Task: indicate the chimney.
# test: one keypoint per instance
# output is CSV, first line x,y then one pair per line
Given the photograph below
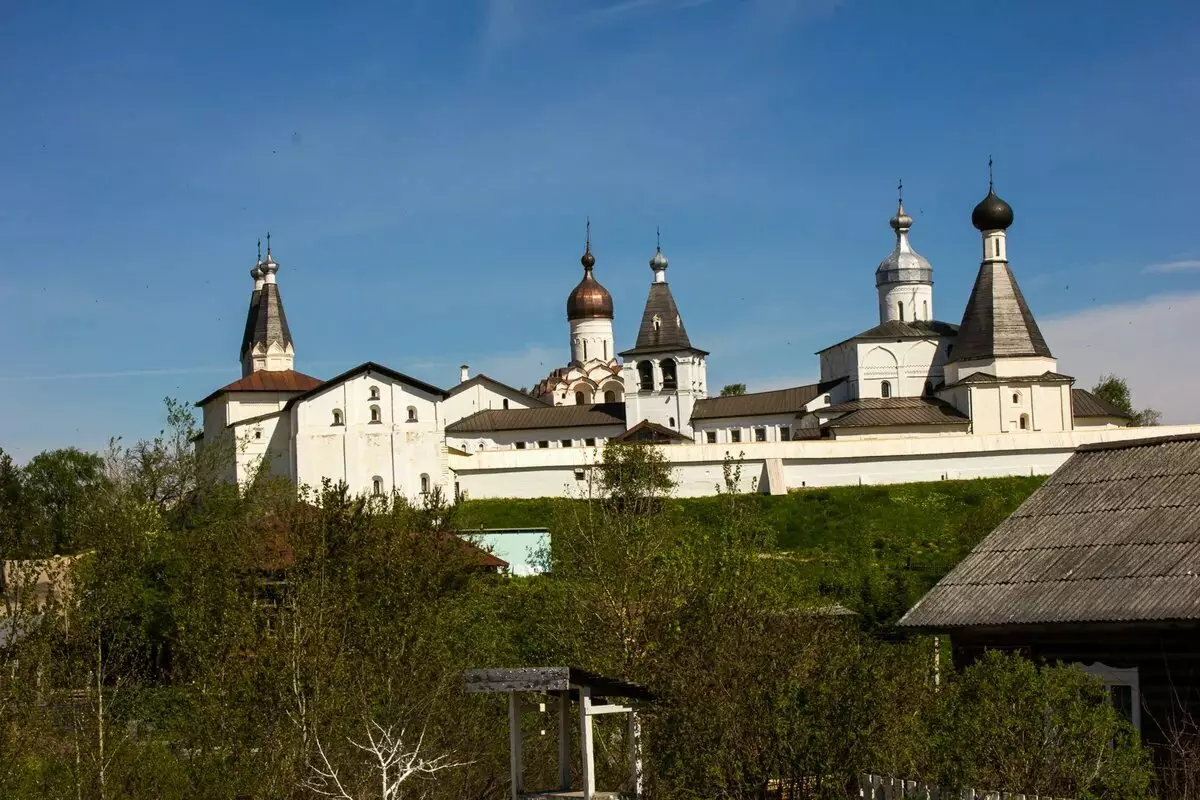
x,y
464,372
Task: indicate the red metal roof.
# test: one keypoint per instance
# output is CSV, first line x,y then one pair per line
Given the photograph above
x,y
287,380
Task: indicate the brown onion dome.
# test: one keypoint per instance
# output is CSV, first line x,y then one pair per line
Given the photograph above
x,y
589,300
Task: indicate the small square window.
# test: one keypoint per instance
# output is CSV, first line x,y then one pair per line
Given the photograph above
x,y
520,445
258,434
590,442
735,435
566,443
543,445
760,434
710,437
785,433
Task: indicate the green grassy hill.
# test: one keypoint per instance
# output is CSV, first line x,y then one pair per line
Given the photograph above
x,y
876,549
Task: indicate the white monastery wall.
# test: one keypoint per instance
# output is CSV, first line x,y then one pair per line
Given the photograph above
x,y
553,437
480,397
746,427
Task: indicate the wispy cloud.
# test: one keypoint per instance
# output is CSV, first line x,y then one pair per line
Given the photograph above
x,y
126,373
1173,266
1148,342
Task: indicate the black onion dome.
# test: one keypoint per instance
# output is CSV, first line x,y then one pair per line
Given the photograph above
x,y
992,213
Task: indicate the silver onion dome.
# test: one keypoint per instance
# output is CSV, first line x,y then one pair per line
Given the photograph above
x,y
903,264
659,261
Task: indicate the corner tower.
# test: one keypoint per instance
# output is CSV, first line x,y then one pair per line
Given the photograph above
x,y
267,340
904,280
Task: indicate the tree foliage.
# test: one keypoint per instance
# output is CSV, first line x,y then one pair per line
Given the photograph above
x,y
1115,390
733,389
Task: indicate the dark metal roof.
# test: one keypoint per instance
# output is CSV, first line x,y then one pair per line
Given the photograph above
x,y
872,412
370,366
985,378
268,324
780,401
520,419
551,679
896,329
495,384
647,431
997,321
248,333
264,380
1086,404
1112,536
670,333
992,213
589,300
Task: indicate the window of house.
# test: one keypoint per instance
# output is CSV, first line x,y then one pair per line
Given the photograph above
x,y
735,435
424,483
785,433
657,323
520,445
505,404
412,413
928,387
668,374
1122,686
885,389
925,309
760,434
826,400
1016,398
585,349
1024,422
257,434
374,392
710,437
337,417
543,445
590,442
610,396
579,398
376,415
900,306
646,376
565,442
377,486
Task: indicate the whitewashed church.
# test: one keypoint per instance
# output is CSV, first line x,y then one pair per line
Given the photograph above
x,y
909,399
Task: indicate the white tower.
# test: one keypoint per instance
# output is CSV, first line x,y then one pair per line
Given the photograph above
x,y
904,279
590,314
663,374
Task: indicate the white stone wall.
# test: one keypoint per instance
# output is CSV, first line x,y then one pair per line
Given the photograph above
x,y
724,427
669,408
591,340
481,397
1000,408
902,459
395,449
916,299
554,437
266,444
906,365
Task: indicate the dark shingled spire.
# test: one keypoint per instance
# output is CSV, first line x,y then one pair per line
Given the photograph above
x,y
997,321
270,323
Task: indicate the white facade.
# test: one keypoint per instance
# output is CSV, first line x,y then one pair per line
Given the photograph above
x,y
895,403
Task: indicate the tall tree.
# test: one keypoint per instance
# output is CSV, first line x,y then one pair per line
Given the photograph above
x,y
1115,390
732,389
60,485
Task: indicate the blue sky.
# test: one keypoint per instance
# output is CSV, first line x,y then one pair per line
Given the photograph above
x,y
425,169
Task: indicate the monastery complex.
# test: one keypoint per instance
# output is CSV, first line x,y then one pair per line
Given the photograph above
x,y
911,398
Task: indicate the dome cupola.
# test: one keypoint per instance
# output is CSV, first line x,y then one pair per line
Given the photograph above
x,y
589,300
992,213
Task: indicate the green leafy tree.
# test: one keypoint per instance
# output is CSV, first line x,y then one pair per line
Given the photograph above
x,y
1115,390
732,389
60,486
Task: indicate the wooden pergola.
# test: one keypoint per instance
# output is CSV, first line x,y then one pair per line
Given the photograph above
x,y
594,695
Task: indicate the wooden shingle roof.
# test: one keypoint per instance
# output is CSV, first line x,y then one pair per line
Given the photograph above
x,y
1112,536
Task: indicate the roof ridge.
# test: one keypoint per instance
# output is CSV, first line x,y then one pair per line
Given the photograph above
x,y
1128,444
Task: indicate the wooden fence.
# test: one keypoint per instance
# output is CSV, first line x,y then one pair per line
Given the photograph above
x,y
880,787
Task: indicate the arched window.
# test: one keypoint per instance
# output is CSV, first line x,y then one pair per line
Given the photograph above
x,y
376,415
579,398
885,389
925,309
671,421
377,486
668,374
374,392
928,387
657,323
506,404
1016,398
1024,422
585,349
646,376
610,396
901,307
412,413
338,419
424,483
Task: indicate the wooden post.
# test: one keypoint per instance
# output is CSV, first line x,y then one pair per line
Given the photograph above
x,y
635,755
588,765
564,741
515,766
